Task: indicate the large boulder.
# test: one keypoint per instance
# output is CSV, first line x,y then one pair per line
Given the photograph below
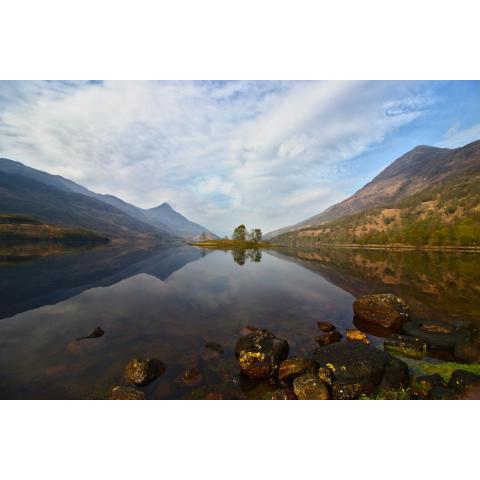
x,y
437,335
383,309
310,387
356,368
143,371
260,353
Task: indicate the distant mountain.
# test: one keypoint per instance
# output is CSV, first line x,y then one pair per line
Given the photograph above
x,y
166,215
57,199
428,196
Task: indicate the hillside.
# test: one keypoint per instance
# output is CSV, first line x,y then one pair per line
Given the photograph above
x,y
110,214
26,229
429,196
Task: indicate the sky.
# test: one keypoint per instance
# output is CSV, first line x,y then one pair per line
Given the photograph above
x,y
267,154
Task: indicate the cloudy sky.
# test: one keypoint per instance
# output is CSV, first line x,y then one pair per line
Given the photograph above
x,y
266,154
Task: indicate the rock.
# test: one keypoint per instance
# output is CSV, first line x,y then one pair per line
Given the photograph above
x,y
329,337
294,367
215,347
191,377
384,309
326,326
142,372
325,375
310,387
126,393
424,383
98,332
356,368
281,394
466,352
437,335
357,335
214,396
462,380
406,346
395,376
442,393
260,353
248,329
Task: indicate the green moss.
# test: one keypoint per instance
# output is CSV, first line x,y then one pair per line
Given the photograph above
x,y
400,394
445,369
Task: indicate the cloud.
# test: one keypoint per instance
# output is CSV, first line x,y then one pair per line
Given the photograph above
x,y
261,153
456,137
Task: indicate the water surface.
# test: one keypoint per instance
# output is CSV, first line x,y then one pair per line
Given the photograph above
x,y
167,303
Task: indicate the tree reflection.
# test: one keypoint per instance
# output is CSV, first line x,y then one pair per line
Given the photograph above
x,y
240,255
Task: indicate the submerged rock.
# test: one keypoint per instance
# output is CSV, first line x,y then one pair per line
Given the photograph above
x,y
97,333
260,353
466,352
310,387
326,326
142,372
437,335
215,347
281,394
384,309
357,335
214,396
294,367
126,393
329,337
406,346
191,377
356,368
442,393
247,330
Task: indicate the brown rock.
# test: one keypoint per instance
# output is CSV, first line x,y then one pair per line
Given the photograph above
x,y
214,396
326,326
294,367
142,372
126,393
357,335
467,352
310,387
329,337
384,309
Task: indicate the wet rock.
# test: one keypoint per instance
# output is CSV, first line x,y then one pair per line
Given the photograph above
x,y
142,372
329,337
384,309
406,346
466,352
191,377
294,367
310,387
326,326
424,383
357,335
215,347
356,368
247,330
442,393
395,376
214,396
437,335
281,394
462,380
98,332
260,353
325,375
126,393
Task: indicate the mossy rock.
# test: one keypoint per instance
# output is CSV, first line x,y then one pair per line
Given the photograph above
x,y
445,369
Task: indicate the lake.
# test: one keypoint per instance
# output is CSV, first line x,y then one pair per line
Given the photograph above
x,y
167,303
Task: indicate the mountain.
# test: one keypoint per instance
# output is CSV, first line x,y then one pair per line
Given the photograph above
x,y
166,215
429,196
57,199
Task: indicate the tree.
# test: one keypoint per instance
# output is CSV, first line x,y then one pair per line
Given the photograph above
x,y
240,233
257,235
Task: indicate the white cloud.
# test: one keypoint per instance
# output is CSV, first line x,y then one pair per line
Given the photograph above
x,y
455,137
260,153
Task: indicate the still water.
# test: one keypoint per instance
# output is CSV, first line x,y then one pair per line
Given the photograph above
x,y
168,303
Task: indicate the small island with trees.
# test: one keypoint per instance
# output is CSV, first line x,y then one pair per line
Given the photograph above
x,y
241,238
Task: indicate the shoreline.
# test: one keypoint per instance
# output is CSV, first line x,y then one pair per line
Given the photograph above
x,y
388,247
